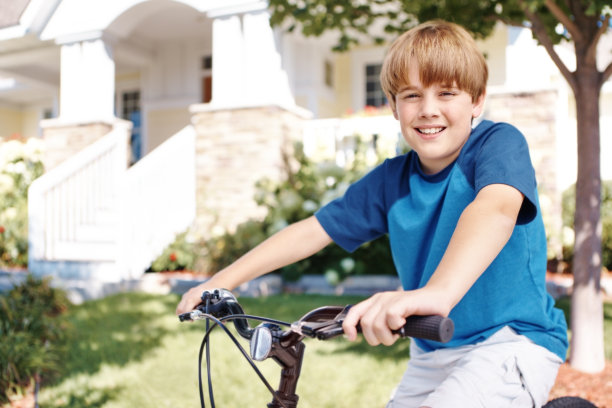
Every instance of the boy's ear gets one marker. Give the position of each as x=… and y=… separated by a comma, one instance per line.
x=478, y=106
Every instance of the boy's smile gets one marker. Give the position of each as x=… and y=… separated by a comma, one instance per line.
x=436, y=120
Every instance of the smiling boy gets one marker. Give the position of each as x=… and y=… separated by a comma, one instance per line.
x=466, y=233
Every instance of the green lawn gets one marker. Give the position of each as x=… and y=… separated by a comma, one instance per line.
x=129, y=350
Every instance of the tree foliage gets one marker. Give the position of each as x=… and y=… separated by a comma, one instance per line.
x=354, y=20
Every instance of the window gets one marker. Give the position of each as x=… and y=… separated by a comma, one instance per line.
x=329, y=74
x=207, y=62
x=374, y=95
x=130, y=110
x=130, y=104
x=207, y=78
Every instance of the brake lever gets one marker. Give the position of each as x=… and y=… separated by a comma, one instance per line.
x=321, y=330
x=216, y=302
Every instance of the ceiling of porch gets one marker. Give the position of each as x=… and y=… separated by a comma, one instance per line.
x=30, y=67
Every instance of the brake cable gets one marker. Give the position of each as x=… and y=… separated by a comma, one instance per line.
x=205, y=345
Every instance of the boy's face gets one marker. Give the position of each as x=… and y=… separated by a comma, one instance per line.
x=436, y=120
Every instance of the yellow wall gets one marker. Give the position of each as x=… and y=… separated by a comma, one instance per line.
x=30, y=123
x=161, y=124
x=10, y=122
x=342, y=101
x=494, y=49
x=18, y=122
x=342, y=81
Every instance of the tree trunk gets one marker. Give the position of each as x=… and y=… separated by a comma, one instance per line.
x=587, y=342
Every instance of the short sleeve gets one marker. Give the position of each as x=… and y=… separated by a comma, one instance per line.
x=359, y=216
x=503, y=158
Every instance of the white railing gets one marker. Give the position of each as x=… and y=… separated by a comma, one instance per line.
x=73, y=208
x=160, y=200
x=334, y=138
x=93, y=218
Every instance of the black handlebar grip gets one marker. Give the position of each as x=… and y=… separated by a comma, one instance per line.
x=185, y=317
x=436, y=328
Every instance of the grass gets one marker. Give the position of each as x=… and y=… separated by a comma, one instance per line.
x=129, y=350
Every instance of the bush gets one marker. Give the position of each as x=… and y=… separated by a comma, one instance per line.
x=225, y=249
x=306, y=187
x=31, y=334
x=20, y=164
x=178, y=256
x=569, y=208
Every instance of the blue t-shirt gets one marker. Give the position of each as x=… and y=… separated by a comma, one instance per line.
x=420, y=213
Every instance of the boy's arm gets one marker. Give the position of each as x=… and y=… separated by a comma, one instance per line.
x=294, y=243
x=484, y=228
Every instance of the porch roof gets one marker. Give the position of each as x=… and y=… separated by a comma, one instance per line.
x=11, y=12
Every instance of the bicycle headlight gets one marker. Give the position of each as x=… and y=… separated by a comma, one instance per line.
x=261, y=342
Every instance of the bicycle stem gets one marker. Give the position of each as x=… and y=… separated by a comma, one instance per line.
x=290, y=359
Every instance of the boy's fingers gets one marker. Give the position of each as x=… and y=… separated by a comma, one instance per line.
x=189, y=301
x=351, y=320
x=349, y=327
x=395, y=321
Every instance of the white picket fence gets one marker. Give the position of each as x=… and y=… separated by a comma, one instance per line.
x=93, y=219
x=334, y=138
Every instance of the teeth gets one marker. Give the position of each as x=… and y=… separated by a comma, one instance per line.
x=431, y=131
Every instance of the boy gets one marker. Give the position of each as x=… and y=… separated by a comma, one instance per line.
x=466, y=233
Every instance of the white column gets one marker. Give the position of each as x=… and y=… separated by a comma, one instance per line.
x=265, y=76
x=87, y=86
x=228, y=61
x=247, y=69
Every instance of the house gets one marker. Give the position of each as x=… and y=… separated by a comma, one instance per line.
x=158, y=115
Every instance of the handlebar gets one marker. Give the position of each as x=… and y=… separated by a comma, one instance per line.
x=322, y=323
x=220, y=303
x=432, y=327
x=269, y=340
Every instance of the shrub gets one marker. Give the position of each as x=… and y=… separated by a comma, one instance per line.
x=178, y=256
x=569, y=208
x=20, y=164
x=306, y=186
x=226, y=248
x=31, y=334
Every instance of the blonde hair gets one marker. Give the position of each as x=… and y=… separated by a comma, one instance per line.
x=445, y=53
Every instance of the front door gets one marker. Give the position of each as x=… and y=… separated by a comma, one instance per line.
x=130, y=110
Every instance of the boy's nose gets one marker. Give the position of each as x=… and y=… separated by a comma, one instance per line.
x=429, y=107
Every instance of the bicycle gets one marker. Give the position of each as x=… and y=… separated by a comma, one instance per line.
x=286, y=346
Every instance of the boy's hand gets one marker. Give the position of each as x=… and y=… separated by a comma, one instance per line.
x=387, y=311
x=191, y=299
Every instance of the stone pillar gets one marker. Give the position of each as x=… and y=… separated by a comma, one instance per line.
x=63, y=140
x=236, y=148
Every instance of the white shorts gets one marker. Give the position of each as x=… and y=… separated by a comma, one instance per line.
x=506, y=370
